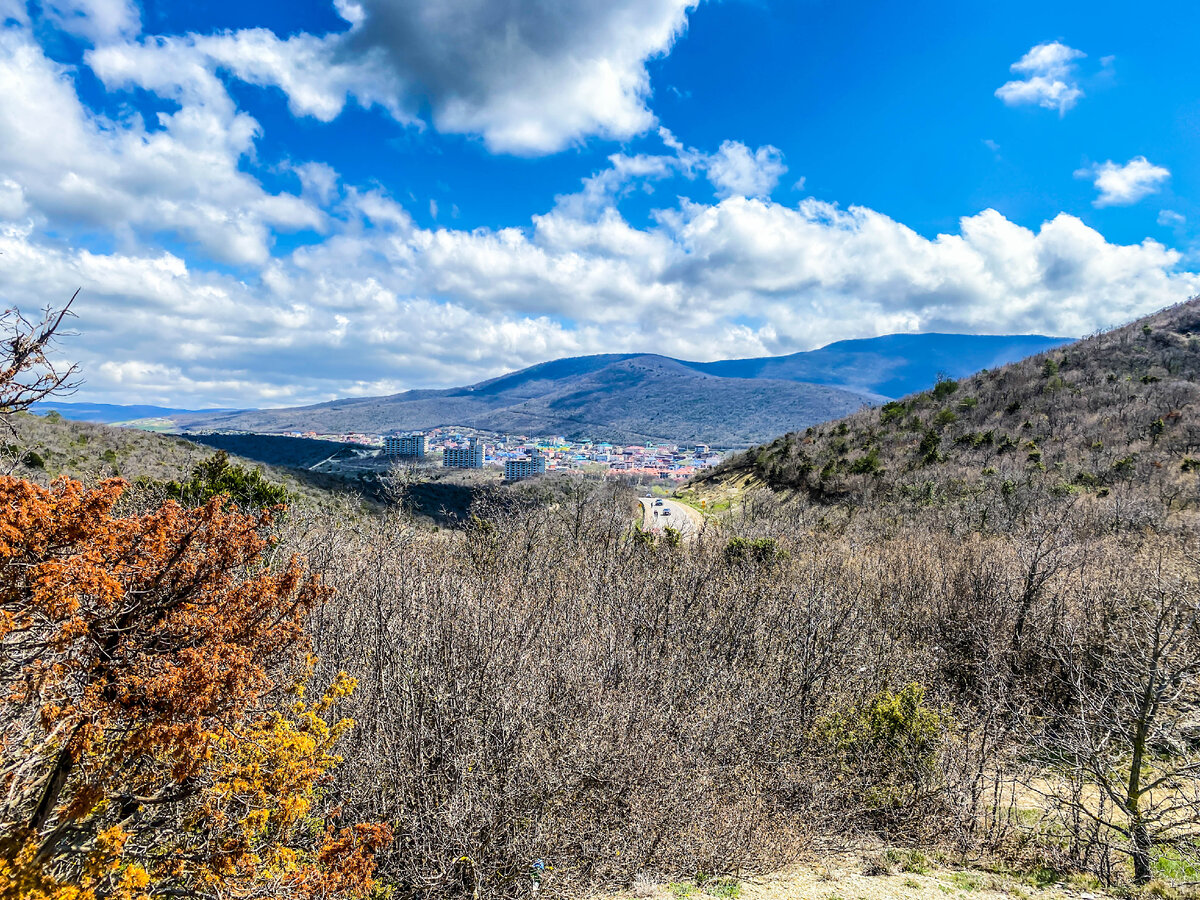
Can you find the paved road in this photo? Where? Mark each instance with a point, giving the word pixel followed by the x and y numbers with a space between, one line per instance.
pixel 678 515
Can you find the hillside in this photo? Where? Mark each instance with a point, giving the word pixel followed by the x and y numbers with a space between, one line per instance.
pixel 892 365
pixel 45 447
pixel 1095 417
pixel 639 397
pixel 626 399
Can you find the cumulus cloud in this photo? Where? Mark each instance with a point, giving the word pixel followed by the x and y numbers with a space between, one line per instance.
pixel 181 175
pixel 308 68
pixel 735 171
pixel 531 78
pixel 373 310
pixel 1124 185
pixel 95 20
pixel 1049 78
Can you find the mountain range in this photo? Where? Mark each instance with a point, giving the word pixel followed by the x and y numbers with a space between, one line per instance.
pixel 638 397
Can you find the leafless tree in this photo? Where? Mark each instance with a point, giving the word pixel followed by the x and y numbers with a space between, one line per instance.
pixel 1124 744
pixel 28 370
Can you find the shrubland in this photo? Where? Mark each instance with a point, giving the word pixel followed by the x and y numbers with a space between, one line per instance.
pixel 547 687
pixel 909 650
pixel 153 661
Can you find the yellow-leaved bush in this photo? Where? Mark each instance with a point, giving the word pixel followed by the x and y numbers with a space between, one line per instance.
pixel 147 750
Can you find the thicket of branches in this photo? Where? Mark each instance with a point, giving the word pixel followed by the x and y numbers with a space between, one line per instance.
pixel 153 739
pixel 552 686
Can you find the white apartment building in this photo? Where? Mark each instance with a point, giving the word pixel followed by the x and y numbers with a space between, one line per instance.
pixel 524 468
pixel 406 445
pixel 469 457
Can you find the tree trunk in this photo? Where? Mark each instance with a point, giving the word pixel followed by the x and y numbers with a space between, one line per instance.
pixel 1139 833
pixel 1141 850
pixel 63 763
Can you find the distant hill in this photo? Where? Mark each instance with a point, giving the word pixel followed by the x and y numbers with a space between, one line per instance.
pixel 110 413
pixel 277 449
pixel 1114 413
pixel 892 365
pixel 637 397
pixel 621 398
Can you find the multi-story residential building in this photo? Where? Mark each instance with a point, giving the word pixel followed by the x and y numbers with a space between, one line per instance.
pixel 405 445
pixel 524 468
pixel 469 457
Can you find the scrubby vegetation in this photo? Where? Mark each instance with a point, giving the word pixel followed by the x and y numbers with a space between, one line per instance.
pixel 613 705
pixel 42 448
pixel 1112 416
pixel 955 651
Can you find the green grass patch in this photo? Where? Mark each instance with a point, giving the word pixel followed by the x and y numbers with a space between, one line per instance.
pixel 689 498
pixel 1041 877
pixel 913 861
pixel 723 886
pixel 966 881
pixel 1176 866
pixel 729 888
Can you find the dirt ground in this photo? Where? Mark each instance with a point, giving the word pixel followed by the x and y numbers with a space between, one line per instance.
pixel 870 876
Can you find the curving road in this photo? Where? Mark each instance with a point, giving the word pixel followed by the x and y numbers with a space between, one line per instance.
pixel 678 515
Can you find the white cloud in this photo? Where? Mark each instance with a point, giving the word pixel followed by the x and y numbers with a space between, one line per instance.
pixel 372 310
pixel 317 180
pixel 1049 78
pixel 531 78
pixel 96 20
pixel 181 173
pixel 733 170
pixel 307 68
pixel 736 172
pixel 1125 185
pixel 12 200
pixel 1170 218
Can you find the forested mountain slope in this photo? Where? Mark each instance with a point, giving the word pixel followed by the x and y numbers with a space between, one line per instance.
pixel 891 365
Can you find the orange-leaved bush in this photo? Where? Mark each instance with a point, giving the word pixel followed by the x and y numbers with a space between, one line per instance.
pixel 154 739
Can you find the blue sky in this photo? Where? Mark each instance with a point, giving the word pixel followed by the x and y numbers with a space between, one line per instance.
pixel 268 203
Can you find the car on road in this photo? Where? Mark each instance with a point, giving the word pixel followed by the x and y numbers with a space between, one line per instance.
pixel 658 502
pixel 666 512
